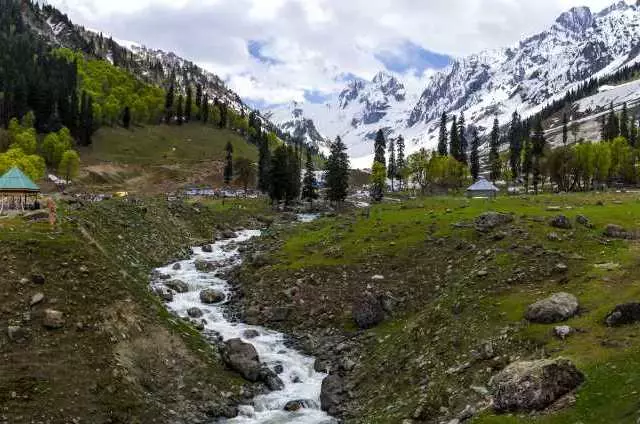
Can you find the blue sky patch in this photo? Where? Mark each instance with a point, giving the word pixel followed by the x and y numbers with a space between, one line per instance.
pixel 412 56
pixel 256 47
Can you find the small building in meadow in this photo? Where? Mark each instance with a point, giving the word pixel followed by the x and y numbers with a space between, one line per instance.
pixel 17 191
pixel 482 188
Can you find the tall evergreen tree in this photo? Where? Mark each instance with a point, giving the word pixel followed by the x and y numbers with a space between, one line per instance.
pixel 527 162
pixel 223 115
pixel 494 154
pixel 475 156
pixel 126 117
pixel 400 161
pixel 379 148
pixel 442 137
pixel 538 143
pixel 613 124
pixel 199 102
pixel 462 137
pixel 624 122
pixel 188 105
pixel 515 145
pixel 264 165
pixel 180 110
pixel 228 168
pixel 565 129
pixel 309 184
pixel 454 141
pixel 204 110
pixel 279 174
pixel 633 132
pixel 337 175
pixel 604 129
pixel 168 104
pixel 293 174
pixel 391 168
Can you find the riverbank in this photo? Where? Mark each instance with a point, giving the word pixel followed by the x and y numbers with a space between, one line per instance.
pixel 82 338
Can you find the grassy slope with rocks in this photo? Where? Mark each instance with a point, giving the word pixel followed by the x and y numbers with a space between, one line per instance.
pixel 120 357
pixel 159 158
pixel 456 291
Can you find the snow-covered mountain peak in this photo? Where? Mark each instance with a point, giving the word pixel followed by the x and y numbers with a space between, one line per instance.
pixel 576 20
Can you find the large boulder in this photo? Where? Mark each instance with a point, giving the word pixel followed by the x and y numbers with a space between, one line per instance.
pixel 205 266
pixel 556 308
pixel 627 313
pixel 210 296
pixel 332 394
pixel 163 293
pixel 367 311
pixel 561 222
pixel 178 286
pixel 243 358
pixel 195 312
pixel 207 248
pixel 53 319
pixel 533 385
pixel 490 220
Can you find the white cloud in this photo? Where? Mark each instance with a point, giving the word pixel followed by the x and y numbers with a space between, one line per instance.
pixel 312 41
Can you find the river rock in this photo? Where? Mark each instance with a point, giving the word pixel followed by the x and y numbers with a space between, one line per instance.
pixel 38 279
pixel 616 231
pixel 178 286
pixel 250 334
pixel 207 248
pixel 228 234
pixel 163 293
pixel 16 333
pixel 332 394
pixel 561 222
pixel 205 266
pixel 36 299
pixel 533 385
pixel 177 266
pixel 243 358
pixel 367 311
pixel 556 308
pixel 210 296
pixel 271 379
pixel 584 221
pixel 490 220
pixel 627 313
pixel 295 405
pixel 194 312
pixel 53 319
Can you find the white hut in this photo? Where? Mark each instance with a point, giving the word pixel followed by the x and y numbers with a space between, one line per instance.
pixel 482 188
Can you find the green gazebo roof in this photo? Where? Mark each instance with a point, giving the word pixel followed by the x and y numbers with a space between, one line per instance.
pixel 15 180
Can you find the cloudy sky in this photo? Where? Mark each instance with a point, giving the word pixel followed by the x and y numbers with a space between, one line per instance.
pixel 273 51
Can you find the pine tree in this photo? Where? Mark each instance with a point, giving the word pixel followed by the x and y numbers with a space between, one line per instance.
pixel 228 168
pixel 380 146
pixel 604 129
pixel 279 174
pixel 475 156
pixel 168 104
pixel 264 165
pixel 126 117
pixel 400 161
pixel 538 143
pixel 309 184
pixel 337 176
pixel 188 106
pixel 527 162
pixel 442 137
pixel 204 112
pixel 565 129
pixel 515 147
pixel 633 132
pixel 199 102
pixel 293 174
pixel 454 141
pixel 180 110
pixel 624 122
pixel 462 138
pixel 391 169
pixel 494 154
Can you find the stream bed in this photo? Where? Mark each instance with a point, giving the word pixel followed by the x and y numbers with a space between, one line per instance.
pixel 301 381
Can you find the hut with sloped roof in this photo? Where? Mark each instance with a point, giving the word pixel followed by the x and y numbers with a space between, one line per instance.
pixel 482 188
pixel 17 191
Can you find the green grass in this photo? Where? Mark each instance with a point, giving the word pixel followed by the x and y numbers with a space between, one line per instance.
pixel 155 144
pixel 416 241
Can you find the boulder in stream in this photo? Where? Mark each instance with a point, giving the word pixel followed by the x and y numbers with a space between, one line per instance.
pixel 243 358
pixel 178 286
pixel 210 296
pixel 332 394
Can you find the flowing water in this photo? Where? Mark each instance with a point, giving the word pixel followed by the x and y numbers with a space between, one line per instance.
pixel 300 380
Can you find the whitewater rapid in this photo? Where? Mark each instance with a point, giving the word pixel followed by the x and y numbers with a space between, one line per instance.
pixel 301 381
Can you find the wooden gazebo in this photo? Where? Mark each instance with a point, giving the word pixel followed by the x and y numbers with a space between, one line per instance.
pixel 17 191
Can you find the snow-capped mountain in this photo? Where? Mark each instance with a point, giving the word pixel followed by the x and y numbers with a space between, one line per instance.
pixel 355 113
pixel 579 45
